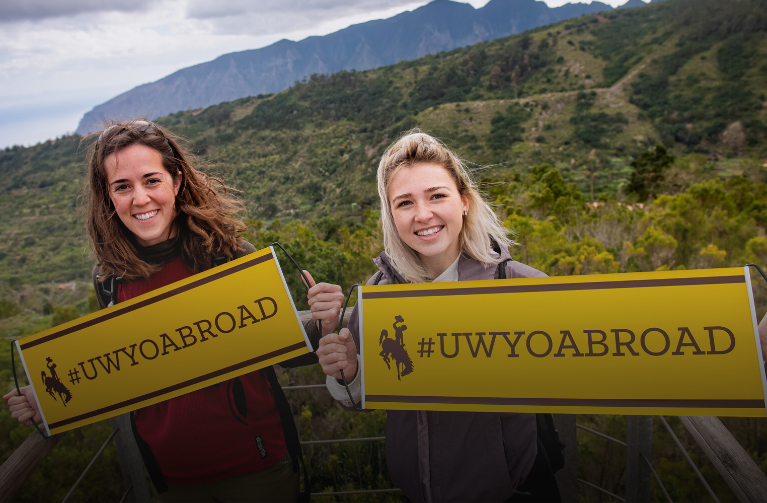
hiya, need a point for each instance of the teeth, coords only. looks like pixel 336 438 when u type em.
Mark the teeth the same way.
pixel 429 232
pixel 145 216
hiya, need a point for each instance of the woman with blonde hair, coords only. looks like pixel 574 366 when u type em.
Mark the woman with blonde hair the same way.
pixel 436 228
pixel 154 219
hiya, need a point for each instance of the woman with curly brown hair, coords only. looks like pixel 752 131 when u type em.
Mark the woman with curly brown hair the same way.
pixel 153 219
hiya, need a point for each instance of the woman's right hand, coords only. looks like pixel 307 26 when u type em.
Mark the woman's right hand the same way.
pixel 24 407
pixel 338 352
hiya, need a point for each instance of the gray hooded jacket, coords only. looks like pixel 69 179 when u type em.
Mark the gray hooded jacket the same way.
pixel 457 456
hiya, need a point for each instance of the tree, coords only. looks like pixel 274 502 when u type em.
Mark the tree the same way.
pixel 649 172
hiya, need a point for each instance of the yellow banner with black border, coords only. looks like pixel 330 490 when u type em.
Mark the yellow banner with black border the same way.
pixel 213 326
pixel 676 343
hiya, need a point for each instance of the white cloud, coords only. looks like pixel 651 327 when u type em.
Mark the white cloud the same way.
pixel 35 10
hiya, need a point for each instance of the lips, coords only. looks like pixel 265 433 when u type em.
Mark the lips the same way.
pixel 424 233
pixel 145 216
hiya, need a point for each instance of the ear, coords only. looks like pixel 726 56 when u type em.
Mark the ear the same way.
pixel 177 184
pixel 465 200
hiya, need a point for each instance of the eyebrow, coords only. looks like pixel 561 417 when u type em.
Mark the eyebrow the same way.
pixel 147 175
pixel 430 189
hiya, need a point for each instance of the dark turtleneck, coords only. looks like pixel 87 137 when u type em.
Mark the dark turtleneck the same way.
pixel 161 253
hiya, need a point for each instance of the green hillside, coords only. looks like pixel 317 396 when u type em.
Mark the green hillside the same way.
pixel 629 141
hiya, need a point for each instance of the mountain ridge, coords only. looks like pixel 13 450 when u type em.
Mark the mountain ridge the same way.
pixel 438 26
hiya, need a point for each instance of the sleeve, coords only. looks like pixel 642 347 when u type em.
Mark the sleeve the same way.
pixel 516 269
pixel 338 390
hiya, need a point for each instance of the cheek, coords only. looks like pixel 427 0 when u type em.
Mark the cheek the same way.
pixel 402 223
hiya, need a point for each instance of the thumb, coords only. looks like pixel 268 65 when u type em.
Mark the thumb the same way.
pixel 309 277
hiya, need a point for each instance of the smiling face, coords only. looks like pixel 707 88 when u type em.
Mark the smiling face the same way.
pixel 428 213
pixel 142 192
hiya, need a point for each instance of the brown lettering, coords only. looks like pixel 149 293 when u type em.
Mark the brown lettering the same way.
pixel 244 310
pixel 165 345
pixel 261 307
pixel 234 322
pixel 642 340
pixel 618 343
pixel 714 351
pixel 693 343
pixel 188 335
pixel 132 353
pixel 529 346
pixel 95 372
pixel 156 349
pixel 600 342
pixel 205 330
pixel 566 335
pixel 481 342
pixel 110 363
pixel 442 345
pixel 513 347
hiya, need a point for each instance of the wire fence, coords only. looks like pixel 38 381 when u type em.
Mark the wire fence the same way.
pixel 586 483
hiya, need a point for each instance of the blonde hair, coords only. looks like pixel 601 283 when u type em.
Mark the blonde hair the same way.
pixel 480 227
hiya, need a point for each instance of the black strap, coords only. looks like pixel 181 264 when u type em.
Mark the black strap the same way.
pixel 379 277
pixel 108 296
pixel 501 272
pixel 289 429
pixel 150 462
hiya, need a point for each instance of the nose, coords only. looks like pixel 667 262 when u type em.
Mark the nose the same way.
pixel 140 196
pixel 422 213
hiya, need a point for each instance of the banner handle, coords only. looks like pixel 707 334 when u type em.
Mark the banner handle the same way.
pixel 758 269
pixel 301 272
pixel 338 330
pixel 18 391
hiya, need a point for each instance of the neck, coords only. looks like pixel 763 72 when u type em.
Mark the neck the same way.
pixel 437 265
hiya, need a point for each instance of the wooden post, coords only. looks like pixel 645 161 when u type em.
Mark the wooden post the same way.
pixel 567 477
pixel 20 465
pixel 638 474
pixel 131 464
pixel 736 467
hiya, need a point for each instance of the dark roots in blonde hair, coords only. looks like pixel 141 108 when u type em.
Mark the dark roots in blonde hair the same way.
pixel 206 222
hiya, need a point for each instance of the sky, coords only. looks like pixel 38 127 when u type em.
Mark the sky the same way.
pixel 59 59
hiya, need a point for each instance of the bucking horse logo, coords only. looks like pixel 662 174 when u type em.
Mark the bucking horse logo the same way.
pixel 396 349
pixel 54 384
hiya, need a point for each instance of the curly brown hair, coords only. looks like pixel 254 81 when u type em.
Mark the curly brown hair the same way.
pixel 206 215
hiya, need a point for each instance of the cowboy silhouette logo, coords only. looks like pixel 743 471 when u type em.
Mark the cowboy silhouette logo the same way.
pixel 395 348
pixel 54 384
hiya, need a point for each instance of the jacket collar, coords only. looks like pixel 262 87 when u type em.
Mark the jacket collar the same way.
pixel 468 268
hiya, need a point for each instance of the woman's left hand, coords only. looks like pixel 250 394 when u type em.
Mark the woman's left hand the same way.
pixel 325 301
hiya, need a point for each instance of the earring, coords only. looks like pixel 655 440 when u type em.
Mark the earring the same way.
pixel 466 213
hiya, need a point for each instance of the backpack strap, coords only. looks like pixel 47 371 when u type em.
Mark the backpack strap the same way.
pixel 108 295
pixel 379 277
pixel 501 271
pixel 289 429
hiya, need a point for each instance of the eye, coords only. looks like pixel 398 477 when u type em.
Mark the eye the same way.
pixel 403 203
pixel 153 181
pixel 121 188
pixel 439 196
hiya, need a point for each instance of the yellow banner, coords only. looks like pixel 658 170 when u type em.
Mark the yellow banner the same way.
pixel 677 343
pixel 213 326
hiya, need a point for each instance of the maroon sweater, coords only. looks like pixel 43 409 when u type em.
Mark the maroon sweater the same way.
pixel 209 434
